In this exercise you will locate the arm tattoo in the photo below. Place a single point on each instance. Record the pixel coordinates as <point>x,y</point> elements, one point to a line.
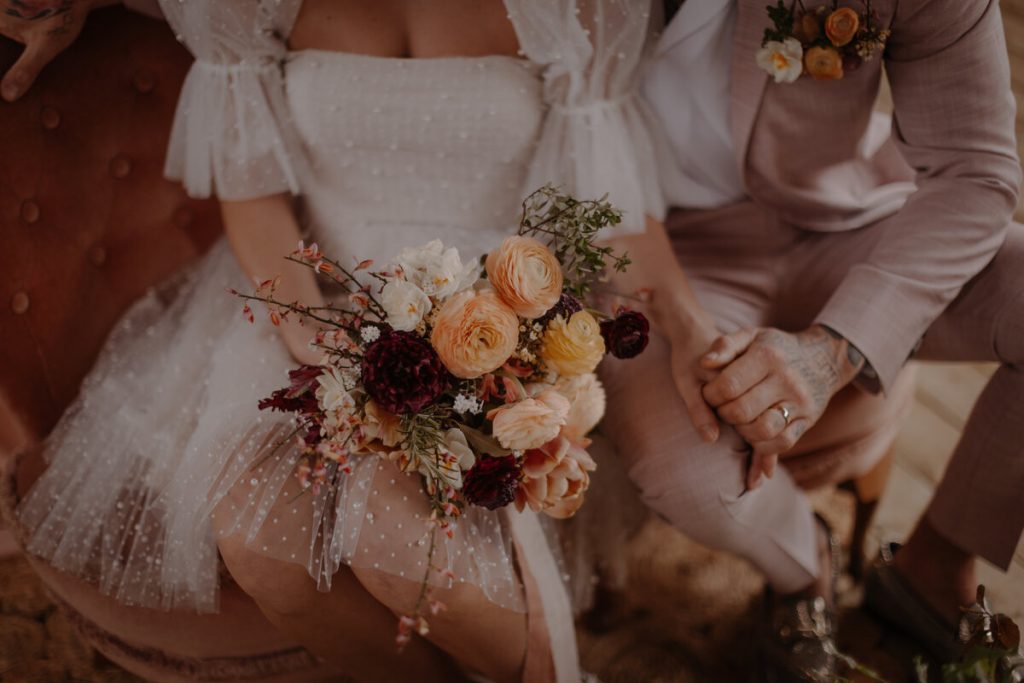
<point>36,10</point>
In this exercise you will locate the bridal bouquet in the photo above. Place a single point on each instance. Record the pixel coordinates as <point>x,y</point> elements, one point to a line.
<point>479,379</point>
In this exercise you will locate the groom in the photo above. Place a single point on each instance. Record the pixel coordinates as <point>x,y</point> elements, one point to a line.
<point>833,247</point>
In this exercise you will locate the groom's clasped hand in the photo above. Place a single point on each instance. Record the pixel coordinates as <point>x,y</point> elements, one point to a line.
<point>772,386</point>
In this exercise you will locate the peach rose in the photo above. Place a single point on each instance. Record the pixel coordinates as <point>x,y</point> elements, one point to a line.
<point>587,404</point>
<point>824,63</point>
<point>841,26</point>
<point>474,333</point>
<point>573,347</point>
<point>526,275</point>
<point>530,423</point>
<point>557,477</point>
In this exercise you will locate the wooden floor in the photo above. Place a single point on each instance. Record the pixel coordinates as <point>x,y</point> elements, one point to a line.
<point>688,613</point>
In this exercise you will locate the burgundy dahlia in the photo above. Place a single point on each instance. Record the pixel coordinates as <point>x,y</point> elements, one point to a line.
<point>300,394</point>
<point>402,373</point>
<point>627,335</point>
<point>492,482</point>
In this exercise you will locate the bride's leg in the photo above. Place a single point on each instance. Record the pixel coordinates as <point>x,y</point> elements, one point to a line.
<point>345,626</point>
<point>481,635</point>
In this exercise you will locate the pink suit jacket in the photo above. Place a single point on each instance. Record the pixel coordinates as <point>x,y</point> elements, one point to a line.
<point>943,184</point>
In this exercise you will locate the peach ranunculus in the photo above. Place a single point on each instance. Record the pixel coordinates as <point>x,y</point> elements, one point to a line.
<point>574,346</point>
<point>530,423</point>
<point>824,63</point>
<point>587,403</point>
<point>841,26</point>
<point>474,333</point>
<point>557,477</point>
<point>526,275</point>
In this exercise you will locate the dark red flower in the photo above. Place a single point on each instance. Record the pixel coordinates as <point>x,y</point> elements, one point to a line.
<point>402,373</point>
<point>566,306</point>
<point>627,335</point>
<point>300,395</point>
<point>492,482</point>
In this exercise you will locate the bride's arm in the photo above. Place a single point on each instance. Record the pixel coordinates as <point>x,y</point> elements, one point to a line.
<point>262,232</point>
<point>675,312</point>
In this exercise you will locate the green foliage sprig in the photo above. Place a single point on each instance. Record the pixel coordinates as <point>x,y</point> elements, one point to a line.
<point>570,228</point>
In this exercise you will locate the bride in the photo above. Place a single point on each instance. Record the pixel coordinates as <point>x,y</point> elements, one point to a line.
<point>368,126</point>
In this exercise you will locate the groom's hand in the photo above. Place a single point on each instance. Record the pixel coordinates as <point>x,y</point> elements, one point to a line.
<point>773,386</point>
<point>45,28</point>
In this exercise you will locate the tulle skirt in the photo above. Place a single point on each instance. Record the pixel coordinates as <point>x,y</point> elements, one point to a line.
<point>164,452</point>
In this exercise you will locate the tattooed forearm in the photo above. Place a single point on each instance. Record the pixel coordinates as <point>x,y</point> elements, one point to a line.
<point>36,10</point>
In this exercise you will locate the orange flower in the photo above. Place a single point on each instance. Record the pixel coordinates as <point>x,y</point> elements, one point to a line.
<point>526,275</point>
<point>824,63</point>
<point>841,26</point>
<point>557,476</point>
<point>474,333</point>
<point>807,28</point>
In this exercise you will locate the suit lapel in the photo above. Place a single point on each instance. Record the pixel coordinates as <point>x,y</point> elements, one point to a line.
<point>747,80</point>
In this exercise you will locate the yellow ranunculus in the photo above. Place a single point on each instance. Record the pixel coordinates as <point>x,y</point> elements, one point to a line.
<point>574,346</point>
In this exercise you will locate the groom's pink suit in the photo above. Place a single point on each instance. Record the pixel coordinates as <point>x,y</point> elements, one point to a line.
<point>899,240</point>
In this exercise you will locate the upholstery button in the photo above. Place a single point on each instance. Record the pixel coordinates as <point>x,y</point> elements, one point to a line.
<point>50,118</point>
<point>120,166</point>
<point>98,255</point>
<point>184,217</point>
<point>144,81</point>
<point>19,303</point>
<point>29,211</point>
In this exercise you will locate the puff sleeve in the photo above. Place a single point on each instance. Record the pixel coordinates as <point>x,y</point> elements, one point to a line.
<point>597,137</point>
<point>232,135</point>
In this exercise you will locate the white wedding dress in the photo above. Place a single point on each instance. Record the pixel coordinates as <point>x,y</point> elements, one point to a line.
<point>385,154</point>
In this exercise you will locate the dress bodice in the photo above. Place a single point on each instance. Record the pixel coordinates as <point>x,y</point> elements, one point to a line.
<point>403,151</point>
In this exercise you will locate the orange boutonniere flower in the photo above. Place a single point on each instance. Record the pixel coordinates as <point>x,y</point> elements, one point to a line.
<point>824,64</point>
<point>841,26</point>
<point>828,40</point>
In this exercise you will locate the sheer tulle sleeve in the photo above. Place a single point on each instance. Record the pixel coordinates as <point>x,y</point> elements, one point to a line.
<point>232,135</point>
<point>598,136</point>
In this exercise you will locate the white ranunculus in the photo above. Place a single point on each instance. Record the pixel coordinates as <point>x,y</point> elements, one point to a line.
<point>783,60</point>
<point>586,402</point>
<point>437,271</point>
<point>405,303</point>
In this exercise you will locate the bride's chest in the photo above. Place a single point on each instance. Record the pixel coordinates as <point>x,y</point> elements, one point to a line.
<point>358,109</point>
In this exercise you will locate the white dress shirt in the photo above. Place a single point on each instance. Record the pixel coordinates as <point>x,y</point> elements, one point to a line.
<point>687,86</point>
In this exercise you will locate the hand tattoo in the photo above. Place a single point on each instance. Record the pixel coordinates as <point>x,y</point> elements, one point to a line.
<point>37,10</point>
<point>818,357</point>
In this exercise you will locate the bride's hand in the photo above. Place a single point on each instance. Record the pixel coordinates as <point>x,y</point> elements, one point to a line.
<point>675,313</point>
<point>690,334</point>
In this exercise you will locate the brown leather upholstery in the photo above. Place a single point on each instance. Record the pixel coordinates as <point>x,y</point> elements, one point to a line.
<point>87,224</point>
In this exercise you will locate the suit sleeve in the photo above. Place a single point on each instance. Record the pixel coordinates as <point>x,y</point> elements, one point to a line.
<point>954,123</point>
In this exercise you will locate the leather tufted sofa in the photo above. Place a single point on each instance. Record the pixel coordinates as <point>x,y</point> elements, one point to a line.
<point>87,223</point>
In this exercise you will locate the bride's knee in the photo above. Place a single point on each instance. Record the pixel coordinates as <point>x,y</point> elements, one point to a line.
<point>280,587</point>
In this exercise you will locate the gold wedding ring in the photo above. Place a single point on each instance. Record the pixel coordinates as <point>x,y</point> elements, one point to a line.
<point>784,411</point>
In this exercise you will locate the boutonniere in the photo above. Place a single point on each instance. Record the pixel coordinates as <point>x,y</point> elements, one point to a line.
<point>824,42</point>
